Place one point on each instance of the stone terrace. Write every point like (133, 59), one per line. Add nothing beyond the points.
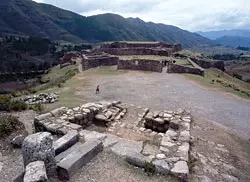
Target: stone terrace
(142, 137)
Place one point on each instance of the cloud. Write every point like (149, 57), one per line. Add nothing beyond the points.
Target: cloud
(192, 15)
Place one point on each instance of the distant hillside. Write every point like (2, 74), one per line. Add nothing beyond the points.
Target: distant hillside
(234, 41)
(217, 34)
(30, 18)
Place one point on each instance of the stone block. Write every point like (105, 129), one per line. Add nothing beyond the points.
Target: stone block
(180, 170)
(161, 166)
(75, 160)
(59, 111)
(62, 155)
(137, 159)
(150, 150)
(35, 172)
(43, 116)
(39, 146)
(66, 141)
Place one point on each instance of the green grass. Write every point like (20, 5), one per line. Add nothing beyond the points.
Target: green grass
(56, 77)
(217, 79)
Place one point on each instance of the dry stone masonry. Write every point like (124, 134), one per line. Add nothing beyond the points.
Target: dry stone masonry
(42, 98)
(171, 129)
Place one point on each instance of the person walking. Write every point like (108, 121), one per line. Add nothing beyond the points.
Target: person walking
(97, 89)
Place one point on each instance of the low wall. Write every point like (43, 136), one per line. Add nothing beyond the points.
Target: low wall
(175, 68)
(97, 61)
(209, 64)
(176, 47)
(140, 64)
(136, 51)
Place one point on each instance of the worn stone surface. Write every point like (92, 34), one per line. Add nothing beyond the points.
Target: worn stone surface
(136, 159)
(150, 150)
(66, 141)
(35, 172)
(17, 141)
(92, 135)
(123, 147)
(76, 159)
(110, 140)
(161, 166)
(39, 146)
(180, 169)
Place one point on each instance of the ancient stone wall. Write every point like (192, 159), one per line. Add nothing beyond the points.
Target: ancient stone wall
(209, 64)
(95, 61)
(176, 47)
(175, 68)
(140, 64)
(136, 51)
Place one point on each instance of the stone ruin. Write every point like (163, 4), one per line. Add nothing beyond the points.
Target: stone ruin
(139, 48)
(42, 98)
(92, 61)
(77, 145)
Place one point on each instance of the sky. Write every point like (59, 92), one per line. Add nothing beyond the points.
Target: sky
(192, 15)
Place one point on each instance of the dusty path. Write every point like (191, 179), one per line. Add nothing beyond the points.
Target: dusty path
(169, 91)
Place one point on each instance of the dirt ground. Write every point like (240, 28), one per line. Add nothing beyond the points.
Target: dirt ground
(166, 91)
(217, 153)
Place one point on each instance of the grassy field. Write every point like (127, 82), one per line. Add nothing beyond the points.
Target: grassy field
(218, 79)
(56, 77)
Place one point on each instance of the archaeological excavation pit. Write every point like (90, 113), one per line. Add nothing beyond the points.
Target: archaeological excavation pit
(140, 136)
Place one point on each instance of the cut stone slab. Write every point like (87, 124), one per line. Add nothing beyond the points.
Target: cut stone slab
(183, 151)
(123, 147)
(35, 172)
(66, 141)
(92, 135)
(180, 169)
(75, 160)
(39, 147)
(161, 166)
(150, 150)
(68, 151)
(110, 140)
(137, 159)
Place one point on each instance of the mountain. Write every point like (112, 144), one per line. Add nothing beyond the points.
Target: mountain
(234, 41)
(217, 34)
(26, 17)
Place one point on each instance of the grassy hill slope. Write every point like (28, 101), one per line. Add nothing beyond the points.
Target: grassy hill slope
(30, 18)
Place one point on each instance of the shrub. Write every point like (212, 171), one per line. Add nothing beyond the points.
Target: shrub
(8, 124)
(4, 102)
(17, 105)
(236, 75)
(37, 107)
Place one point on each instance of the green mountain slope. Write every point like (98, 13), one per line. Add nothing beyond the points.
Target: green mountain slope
(30, 18)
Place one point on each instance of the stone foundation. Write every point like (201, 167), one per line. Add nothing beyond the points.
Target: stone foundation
(172, 129)
(139, 64)
(98, 60)
(209, 64)
(175, 68)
